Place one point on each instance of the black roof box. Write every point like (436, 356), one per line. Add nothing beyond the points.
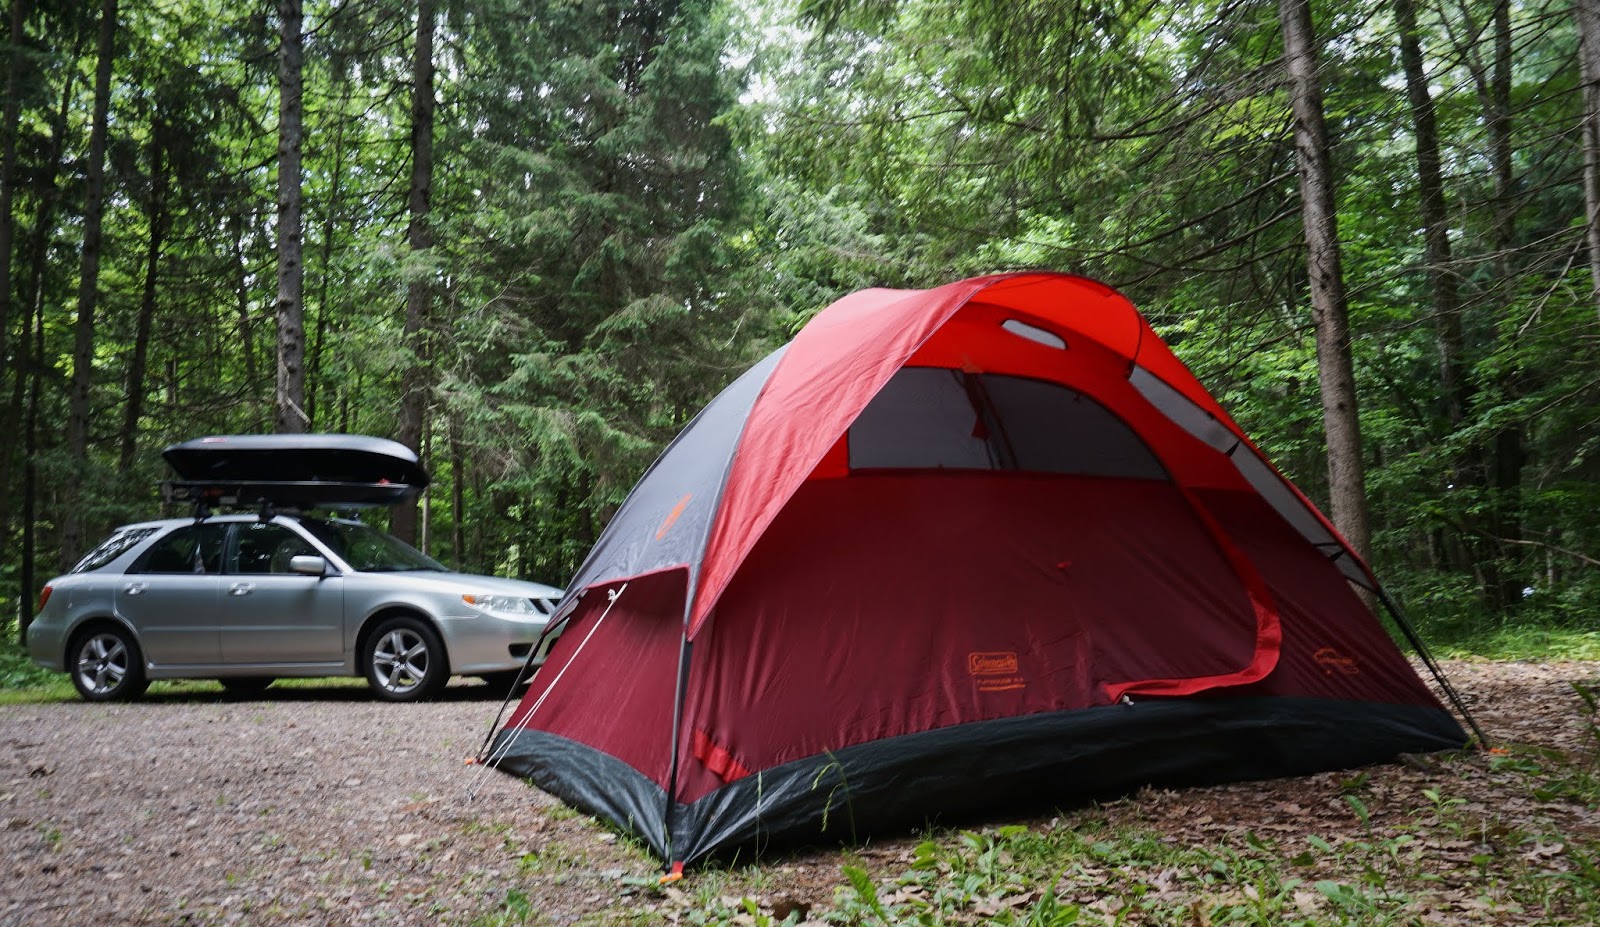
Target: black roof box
(293, 471)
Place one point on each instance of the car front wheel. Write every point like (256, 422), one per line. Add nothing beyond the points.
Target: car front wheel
(405, 660)
(107, 665)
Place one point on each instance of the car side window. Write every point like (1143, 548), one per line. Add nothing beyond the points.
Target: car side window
(260, 548)
(190, 549)
(111, 548)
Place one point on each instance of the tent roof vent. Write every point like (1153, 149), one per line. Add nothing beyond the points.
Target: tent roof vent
(1034, 333)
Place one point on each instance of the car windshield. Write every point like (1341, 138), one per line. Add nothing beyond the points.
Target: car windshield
(368, 550)
(112, 548)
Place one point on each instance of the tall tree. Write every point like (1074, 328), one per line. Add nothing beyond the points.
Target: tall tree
(1587, 13)
(158, 219)
(1505, 456)
(290, 391)
(1441, 273)
(1330, 311)
(413, 384)
(10, 116)
(78, 409)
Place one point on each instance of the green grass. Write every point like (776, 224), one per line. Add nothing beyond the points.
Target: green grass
(1515, 642)
(20, 680)
(24, 683)
(1086, 869)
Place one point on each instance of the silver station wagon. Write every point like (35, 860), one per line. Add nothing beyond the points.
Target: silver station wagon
(248, 598)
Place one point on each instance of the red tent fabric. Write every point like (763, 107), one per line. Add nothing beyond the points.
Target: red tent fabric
(948, 550)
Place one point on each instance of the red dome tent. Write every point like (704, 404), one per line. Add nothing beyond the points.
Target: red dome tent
(953, 549)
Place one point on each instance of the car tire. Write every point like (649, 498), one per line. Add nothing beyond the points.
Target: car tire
(405, 660)
(245, 686)
(106, 664)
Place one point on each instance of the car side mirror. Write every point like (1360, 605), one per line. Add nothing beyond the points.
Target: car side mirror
(308, 564)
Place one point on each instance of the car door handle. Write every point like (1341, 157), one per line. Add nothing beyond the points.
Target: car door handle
(134, 589)
(240, 588)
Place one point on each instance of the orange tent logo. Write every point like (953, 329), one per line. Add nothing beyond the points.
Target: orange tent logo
(1331, 660)
(672, 517)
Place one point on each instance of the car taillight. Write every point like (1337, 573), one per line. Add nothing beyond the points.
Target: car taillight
(44, 596)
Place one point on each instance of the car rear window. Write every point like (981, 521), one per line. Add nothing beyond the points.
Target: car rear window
(111, 548)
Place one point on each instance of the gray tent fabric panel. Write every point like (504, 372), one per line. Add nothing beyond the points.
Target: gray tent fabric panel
(929, 418)
(1266, 481)
(667, 518)
(1055, 429)
(921, 418)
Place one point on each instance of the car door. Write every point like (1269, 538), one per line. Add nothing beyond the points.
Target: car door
(273, 615)
(171, 596)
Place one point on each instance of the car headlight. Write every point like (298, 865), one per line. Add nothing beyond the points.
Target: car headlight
(505, 604)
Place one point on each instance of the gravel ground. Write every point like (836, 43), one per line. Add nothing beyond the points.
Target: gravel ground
(308, 806)
(317, 806)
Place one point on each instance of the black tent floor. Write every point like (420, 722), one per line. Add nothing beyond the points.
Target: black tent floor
(958, 774)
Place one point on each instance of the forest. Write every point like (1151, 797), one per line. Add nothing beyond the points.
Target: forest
(531, 239)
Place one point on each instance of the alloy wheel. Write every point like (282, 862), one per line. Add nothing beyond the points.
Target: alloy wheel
(103, 663)
(400, 661)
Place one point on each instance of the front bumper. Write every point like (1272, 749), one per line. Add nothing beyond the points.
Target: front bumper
(488, 643)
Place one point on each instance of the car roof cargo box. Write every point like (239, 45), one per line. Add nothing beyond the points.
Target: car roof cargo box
(293, 471)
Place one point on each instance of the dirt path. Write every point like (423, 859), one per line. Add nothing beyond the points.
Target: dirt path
(320, 806)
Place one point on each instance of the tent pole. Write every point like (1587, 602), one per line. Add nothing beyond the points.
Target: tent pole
(522, 674)
(499, 753)
(1427, 659)
(684, 648)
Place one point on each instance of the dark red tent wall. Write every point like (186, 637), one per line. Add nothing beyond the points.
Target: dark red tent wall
(979, 545)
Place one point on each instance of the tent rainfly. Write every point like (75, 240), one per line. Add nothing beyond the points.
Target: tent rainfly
(949, 552)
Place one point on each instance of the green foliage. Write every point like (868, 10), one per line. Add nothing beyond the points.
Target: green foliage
(17, 669)
(1150, 146)
(590, 232)
(515, 910)
(633, 201)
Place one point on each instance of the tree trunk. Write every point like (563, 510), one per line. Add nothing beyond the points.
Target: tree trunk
(1454, 388)
(1505, 580)
(9, 121)
(413, 388)
(147, 302)
(30, 481)
(48, 197)
(290, 391)
(72, 534)
(330, 227)
(1587, 13)
(241, 294)
(1335, 368)
(458, 502)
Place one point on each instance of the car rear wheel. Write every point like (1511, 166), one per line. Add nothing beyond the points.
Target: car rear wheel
(405, 660)
(245, 686)
(106, 664)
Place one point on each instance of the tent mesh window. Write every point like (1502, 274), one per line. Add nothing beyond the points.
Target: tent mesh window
(936, 418)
